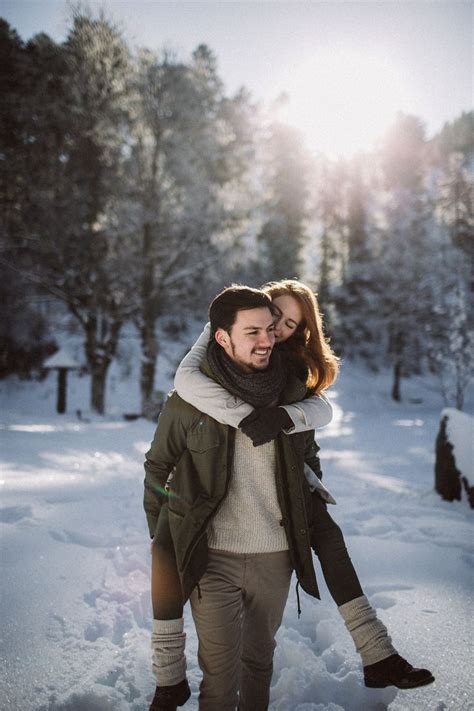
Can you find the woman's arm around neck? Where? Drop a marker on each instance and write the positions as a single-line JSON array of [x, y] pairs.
[[204, 393]]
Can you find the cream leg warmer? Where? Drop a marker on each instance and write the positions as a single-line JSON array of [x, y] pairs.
[[168, 644], [368, 632]]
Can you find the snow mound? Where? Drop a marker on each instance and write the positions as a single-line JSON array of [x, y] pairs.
[[460, 431]]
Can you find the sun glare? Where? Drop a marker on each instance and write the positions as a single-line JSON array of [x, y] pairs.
[[343, 101]]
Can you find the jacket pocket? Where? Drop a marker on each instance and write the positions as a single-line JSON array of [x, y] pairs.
[[202, 440], [183, 485]]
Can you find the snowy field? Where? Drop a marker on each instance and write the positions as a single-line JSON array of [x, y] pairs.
[[75, 605]]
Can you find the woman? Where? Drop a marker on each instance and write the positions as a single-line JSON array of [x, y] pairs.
[[299, 333]]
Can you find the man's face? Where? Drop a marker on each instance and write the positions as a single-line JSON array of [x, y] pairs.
[[251, 340]]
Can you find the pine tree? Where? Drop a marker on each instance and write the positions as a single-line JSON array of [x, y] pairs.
[[13, 123], [357, 298], [28, 80], [403, 275], [454, 202], [450, 334], [97, 74], [282, 235], [74, 106], [331, 213], [181, 159]]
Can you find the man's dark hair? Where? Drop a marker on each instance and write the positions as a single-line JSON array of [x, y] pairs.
[[234, 298]]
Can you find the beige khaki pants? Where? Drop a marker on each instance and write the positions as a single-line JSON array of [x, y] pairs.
[[237, 615]]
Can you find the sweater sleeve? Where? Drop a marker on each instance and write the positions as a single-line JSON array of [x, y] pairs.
[[205, 394], [309, 414]]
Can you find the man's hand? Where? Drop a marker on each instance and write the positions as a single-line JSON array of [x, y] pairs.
[[265, 423]]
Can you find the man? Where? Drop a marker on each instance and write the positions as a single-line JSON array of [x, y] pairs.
[[237, 513]]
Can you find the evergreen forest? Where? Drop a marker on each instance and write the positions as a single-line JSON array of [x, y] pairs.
[[132, 186]]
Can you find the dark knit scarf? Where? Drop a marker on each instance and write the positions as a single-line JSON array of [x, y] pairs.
[[260, 388]]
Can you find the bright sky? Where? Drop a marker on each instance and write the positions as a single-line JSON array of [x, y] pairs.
[[346, 66]]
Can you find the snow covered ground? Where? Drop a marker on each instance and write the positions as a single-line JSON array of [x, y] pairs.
[[75, 605]]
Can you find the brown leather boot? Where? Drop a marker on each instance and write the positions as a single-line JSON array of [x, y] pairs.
[[168, 698], [395, 671]]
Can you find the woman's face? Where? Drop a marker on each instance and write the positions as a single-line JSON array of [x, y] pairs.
[[289, 316]]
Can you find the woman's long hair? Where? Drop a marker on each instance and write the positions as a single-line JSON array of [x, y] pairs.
[[308, 341]]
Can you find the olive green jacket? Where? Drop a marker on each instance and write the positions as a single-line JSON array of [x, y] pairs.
[[188, 468]]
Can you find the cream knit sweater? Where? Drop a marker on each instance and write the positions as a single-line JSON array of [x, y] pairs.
[[248, 520]]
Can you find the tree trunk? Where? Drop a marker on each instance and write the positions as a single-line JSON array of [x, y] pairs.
[[99, 380], [149, 355], [147, 321], [459, 387], [397, 369], [398, 347], [102, 334]]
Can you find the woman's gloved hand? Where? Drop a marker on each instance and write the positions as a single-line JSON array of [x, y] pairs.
[[265, 423]]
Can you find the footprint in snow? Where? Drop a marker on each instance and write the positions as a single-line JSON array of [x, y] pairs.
[[79, 539], [382, 602], [115, 628], [384, 588], [100, 700], [117, 678], [13, 514]]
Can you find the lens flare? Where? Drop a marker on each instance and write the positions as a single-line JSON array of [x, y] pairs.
[[165, 492]]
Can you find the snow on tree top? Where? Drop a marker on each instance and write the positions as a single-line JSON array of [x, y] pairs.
[[61, 359], [460, 431]]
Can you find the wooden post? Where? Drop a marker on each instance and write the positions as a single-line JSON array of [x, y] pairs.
[[61, 361], [62, 386]]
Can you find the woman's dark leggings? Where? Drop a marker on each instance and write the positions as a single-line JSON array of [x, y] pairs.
[[328, 543], [166, 593]]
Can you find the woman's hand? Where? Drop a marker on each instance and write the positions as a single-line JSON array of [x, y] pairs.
[[265, 424]]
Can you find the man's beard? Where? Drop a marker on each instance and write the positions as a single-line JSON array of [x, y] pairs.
[[251, 366]]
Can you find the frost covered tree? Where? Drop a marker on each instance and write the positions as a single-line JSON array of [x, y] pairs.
[[454, 201], [450, 338], [330, 209], [450, 334], [13, 122], [404, 249], [30, 146], [184, 150], [95, 256], [28, 86], [358, 323], [457, 136], [285, 207], [75, 106], [120, 180], [25, 339]]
